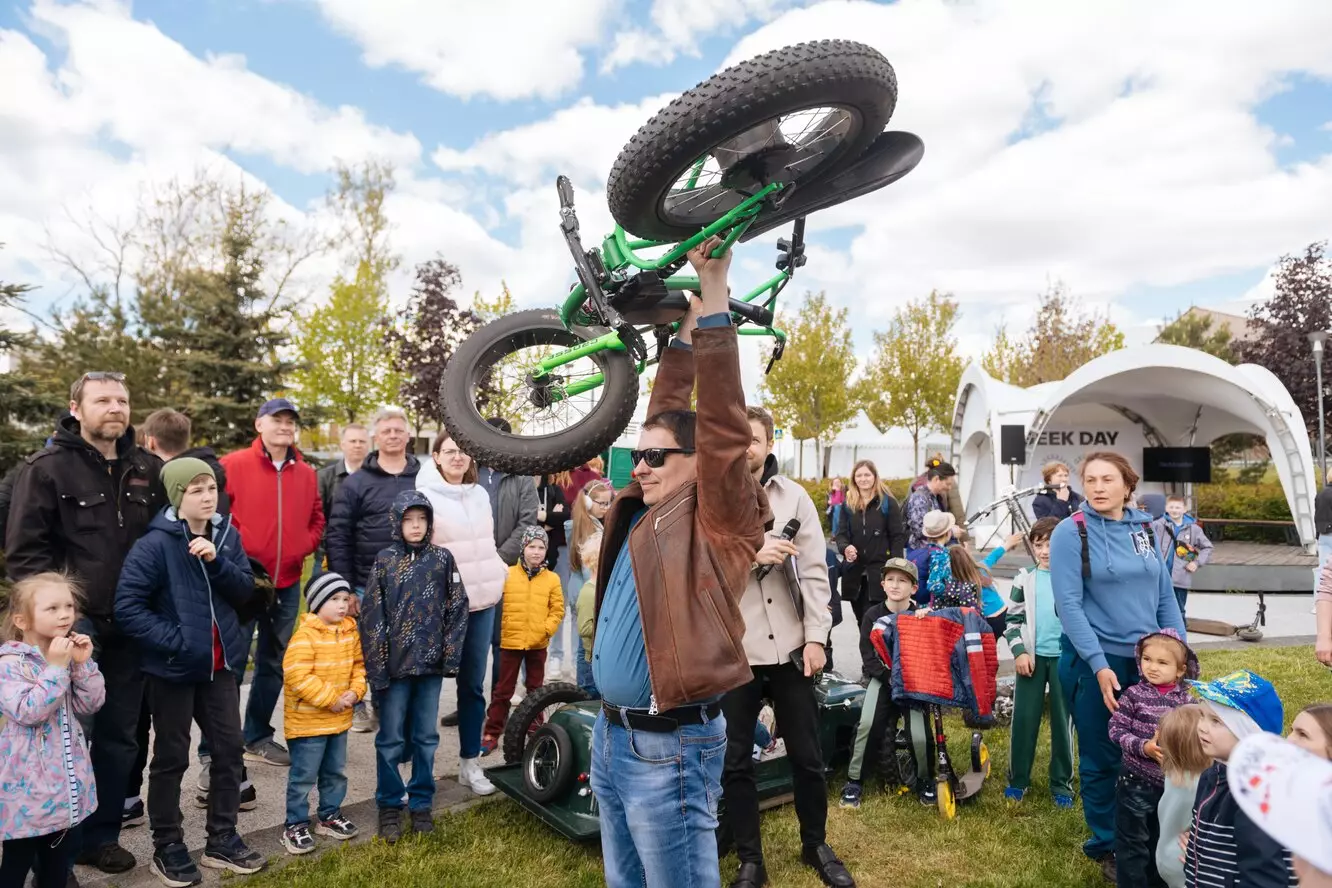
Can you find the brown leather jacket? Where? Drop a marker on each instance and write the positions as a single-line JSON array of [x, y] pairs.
[[692, 552]]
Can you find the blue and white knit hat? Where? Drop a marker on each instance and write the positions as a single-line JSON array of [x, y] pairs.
[[323, 587]]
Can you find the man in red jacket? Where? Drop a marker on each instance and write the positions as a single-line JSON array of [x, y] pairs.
[[275, 498]]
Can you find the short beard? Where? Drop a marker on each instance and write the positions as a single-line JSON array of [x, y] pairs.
[[99, 433]]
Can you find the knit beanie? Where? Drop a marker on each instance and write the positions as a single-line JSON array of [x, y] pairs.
[[323, 587], [533, 532], [177, 475]]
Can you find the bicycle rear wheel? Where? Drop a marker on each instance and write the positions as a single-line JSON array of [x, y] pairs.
[[791, 115], [490, 375]]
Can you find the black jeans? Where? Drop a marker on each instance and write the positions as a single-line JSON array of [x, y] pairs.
[[215, 705], [797, 712], [49, 857], [114, 746], [1136, 832]]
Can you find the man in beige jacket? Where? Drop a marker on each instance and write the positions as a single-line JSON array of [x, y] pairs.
[[786, 623]]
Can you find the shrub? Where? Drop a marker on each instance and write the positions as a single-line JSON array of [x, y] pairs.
[[1264, 501]]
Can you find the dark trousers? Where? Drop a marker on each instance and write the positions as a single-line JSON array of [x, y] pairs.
[[274, 629], [141, 736], [1181, 596], [50, 857], [797, 712], [1137, 832], [1098, 755], [215, 705], [114, 747], [501, 693]]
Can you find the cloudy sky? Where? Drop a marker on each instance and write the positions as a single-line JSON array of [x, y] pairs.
[[1152, 155]]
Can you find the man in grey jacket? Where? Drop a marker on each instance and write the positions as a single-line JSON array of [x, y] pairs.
[[786, 624]]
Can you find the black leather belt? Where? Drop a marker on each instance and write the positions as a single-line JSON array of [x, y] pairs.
[[670, 720]]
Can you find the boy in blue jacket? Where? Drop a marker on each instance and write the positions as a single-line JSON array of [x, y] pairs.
[[177, 596]]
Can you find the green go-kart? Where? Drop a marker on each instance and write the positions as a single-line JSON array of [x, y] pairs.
[[548, 754], [757, 146]]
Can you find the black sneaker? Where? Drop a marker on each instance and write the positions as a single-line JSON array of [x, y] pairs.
[[851, 794], [109, 858], [449, 720], [249, 799], [390, 824], [337, 827], [423, 821], [927, 796], [297, 839], [230, 853], [174, 868], [134, 815]]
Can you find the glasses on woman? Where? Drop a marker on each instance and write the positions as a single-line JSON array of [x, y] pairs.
[[450, 454]]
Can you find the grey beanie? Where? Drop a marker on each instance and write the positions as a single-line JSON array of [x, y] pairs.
[[323, 587]]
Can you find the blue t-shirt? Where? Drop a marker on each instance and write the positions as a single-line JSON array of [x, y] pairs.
[[619, 658], [1042, 610]]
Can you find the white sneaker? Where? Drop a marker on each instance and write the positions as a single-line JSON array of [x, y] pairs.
[[471, 776], [554, 669]]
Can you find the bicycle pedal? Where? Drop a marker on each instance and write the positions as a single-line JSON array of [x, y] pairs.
[[633, 342]]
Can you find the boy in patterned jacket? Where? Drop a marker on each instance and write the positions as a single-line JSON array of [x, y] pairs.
[[413, 621], [324, 678], [1164, 661]]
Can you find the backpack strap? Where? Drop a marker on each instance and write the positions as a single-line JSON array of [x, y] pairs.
[[1081, 521]]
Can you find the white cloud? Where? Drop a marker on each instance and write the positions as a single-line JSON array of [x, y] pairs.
[[679, 26], [504, 49]]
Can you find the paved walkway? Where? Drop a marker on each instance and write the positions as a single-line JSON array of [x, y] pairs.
[[1289, 622]]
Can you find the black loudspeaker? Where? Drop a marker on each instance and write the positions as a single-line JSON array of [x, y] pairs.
[[1013, 445]]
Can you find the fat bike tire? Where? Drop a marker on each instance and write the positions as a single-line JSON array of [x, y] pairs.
[[533, 455], [824, 73]]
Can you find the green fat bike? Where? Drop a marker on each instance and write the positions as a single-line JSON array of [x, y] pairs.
[[760, 145]]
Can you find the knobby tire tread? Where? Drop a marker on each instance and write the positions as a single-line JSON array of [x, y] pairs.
[[515, 731]]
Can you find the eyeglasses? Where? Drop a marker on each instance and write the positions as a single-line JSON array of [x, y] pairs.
[[655, 457], [450, 454]]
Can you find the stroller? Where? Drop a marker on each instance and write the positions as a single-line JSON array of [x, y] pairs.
[[945, 659]]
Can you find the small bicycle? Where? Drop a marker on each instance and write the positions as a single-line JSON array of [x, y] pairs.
[[760, 145]]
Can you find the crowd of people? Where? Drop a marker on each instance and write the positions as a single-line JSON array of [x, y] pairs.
[[145, 572]]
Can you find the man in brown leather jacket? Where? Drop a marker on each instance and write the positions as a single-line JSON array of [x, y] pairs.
[[679, 542]]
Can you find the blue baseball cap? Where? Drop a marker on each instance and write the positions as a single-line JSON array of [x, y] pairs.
[[278, 405], [1251, 694]]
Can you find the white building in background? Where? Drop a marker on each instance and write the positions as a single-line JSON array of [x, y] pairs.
[[1151, 396], [890, 451]]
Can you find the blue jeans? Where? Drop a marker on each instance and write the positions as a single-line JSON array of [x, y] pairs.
[[585, 679], [658, 794], [408, 704], [472, 681], [1098, 755], [275, 629], [556, 649], [321, 760]]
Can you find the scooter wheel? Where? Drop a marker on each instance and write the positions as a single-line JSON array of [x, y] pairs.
[[946, 799], [1248, 634], [980, 755]]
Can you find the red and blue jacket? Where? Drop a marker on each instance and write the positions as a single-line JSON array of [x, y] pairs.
[[946, 657]]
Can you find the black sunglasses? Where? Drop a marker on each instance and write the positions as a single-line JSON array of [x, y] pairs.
[[655, 457]]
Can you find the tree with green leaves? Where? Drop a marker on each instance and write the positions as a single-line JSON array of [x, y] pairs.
[[1193, 329], [1062, 338], [27, 413], [810, 389], [912, 379]]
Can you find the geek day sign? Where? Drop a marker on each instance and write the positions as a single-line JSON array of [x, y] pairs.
[[1069, 443]]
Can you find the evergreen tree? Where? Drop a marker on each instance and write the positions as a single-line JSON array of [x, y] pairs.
[[26, 413]]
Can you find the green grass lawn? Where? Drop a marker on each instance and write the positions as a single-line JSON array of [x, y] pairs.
[[887, 842]]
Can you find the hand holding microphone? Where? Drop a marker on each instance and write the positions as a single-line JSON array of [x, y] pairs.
[[777, 549]]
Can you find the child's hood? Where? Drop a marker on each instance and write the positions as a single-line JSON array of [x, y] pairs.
[[1191, 668], [315, 624], [168, 521], [411, 499], [23, 651]]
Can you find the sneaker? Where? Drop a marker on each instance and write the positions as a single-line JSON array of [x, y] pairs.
[[364, 721], [268, 752], [249, 798], [230, 853], [1063, 801], [1109, 871], [472, 777], [174, 868], [423, 821], [489, 745], [109, 858], [337, 827], [1015, 795], [927, 796], [133, 815], [851, 794], [449, 719], [390, 825], [297, 839]]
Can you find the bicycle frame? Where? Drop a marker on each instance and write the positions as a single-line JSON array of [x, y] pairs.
[[619, 254]]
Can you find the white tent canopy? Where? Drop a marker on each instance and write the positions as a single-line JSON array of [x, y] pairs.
[[890, 451], [1152, 396]]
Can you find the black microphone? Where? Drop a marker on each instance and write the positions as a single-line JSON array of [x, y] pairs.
[[788, 533]]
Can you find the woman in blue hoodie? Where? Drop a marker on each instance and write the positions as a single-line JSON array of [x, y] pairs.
[[1111, 588]]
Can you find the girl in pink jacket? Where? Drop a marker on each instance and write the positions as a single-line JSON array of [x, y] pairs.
[[47, 680]]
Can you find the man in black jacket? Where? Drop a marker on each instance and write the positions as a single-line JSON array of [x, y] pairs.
[[79, 505], [355, 446]]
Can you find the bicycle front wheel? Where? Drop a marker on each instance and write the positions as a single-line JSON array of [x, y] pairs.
[[559, 420]]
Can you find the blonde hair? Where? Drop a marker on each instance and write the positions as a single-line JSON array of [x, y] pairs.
[[1048, 470], [597, 464], [23, 593], [589, 553], [584, 525], [1182, 755], [855, 500]]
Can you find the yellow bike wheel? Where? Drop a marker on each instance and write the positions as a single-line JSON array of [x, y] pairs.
[[985, 760], [946, 800]]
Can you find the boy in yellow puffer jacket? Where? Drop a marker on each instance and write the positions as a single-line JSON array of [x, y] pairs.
[[533, 610], [323, 674]]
